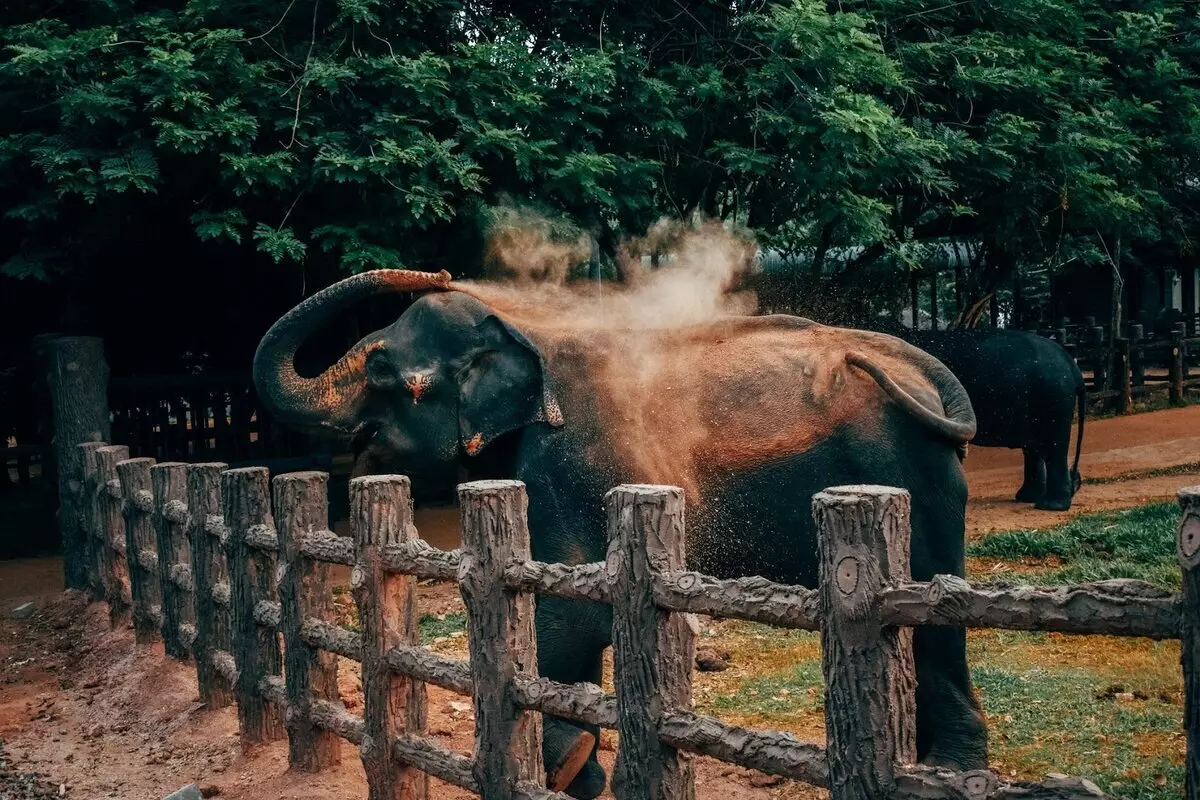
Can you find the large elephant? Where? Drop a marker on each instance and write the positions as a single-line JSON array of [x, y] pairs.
[[751, 416], [1025, 390]]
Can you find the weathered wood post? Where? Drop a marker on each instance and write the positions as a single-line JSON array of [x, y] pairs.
[[1188, 550], [77, 376], [112, 526], [302, 508], [142, 553], [870, 677], [653, 650], [206, 529], [500, 635], [246, 507], [88, 516], [1137, 355], [1124, 377], [380, 516], [174, 554], [1176, 368]]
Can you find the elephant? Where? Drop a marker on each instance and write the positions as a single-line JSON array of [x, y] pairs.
[[1025, 390], [750, 416]]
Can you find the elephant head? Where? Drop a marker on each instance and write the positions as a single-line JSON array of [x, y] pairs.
[[448, 377]]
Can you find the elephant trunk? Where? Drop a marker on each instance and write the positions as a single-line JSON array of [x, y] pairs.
[[331, 399]]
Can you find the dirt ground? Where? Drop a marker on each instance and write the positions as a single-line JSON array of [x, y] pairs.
[[99, 719]]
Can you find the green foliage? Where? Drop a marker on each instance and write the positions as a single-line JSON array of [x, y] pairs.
[[362, 134]]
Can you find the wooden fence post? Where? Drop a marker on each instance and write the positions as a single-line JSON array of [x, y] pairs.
[[141, 553], [174, 557], [209, 579], [870, 677], [381, 515], [1175, 370], [88, 515], [246, 504], [653, 650], [1124, 377], [500, 635], [1188, 550], [112, 526], [1137, 355], [302, 508]]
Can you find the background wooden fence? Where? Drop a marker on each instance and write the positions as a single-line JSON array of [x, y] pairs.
[[236, 577]]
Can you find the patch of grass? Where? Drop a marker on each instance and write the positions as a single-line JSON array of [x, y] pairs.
[[1141, 474], [1139, 543], [432, 627], [1045, 720]]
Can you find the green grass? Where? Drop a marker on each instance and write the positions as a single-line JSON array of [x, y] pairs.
[[432, 627], [1044, 720], [1139, 543]]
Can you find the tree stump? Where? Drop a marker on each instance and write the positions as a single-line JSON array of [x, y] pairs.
[[653, 650], [140, 548], [246, 504], [302, 508], [213, 624], [500, 635], [112, 525], [174, 558], [77, 376], [381, 515], [870, 676], [1188, 550]]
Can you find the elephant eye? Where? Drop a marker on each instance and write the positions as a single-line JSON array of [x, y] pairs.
[[418, 383]]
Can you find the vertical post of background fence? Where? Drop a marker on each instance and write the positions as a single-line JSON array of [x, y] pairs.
[[112, 524], [381, 515], [1099, 359], [1175, 369], [1124, 377], [302, 508], [246, 504], [501, 638], [141, 553], [1188, 551], [174, 557], [88, 515], [1137, 355], [653, 650], [870, 677], [213, 627]]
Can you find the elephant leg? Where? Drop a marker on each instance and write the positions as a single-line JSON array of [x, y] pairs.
[[1060, 486], [1034, 486], [951, 731], [572, 637]]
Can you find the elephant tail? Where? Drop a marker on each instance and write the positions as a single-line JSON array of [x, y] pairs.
[[1081, 395], [956, 425]]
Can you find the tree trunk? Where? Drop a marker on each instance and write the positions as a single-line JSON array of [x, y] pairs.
[[77, 377], [1118, 291]]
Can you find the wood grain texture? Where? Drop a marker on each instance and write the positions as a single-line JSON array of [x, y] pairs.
[[328, 547], [145, 591], [500, 635], [86, 505], [213, 623], [653, 650], [302, 508], [393, 706], [174, 550], [111, 523], [1187, 538], [870, 677], [245, 503], [76, 376]]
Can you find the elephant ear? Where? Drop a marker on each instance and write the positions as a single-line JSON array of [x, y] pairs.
[[502, 386]]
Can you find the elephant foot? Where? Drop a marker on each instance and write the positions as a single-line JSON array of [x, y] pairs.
[[589, 783], [571, 766], [1053, 504], [1030, 494]]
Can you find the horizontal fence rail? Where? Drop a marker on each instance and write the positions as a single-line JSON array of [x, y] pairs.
[[242, 561]]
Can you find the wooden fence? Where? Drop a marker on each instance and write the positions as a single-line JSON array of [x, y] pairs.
[[237, 578], [1143, 365]]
